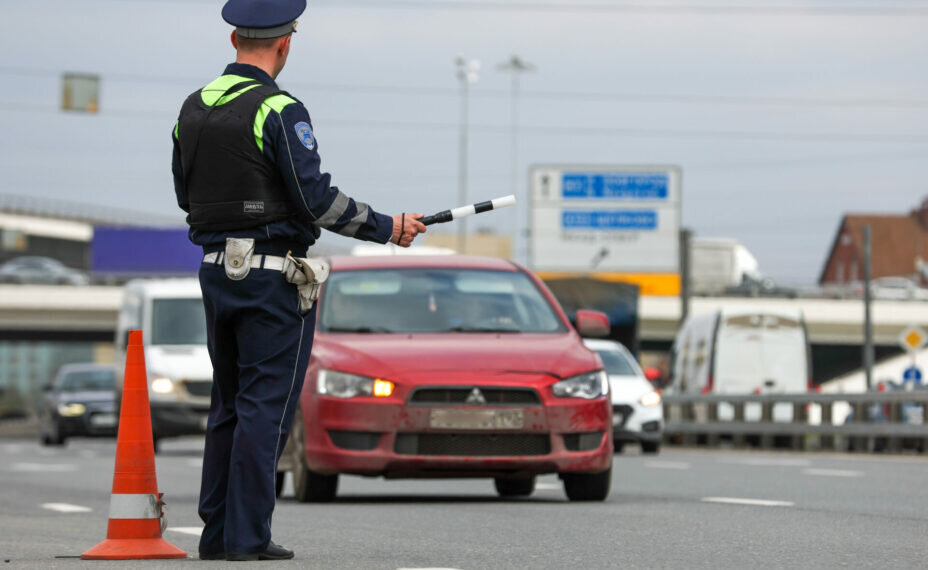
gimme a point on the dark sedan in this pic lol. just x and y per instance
(80, 402)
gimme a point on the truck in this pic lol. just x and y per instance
(719, 263)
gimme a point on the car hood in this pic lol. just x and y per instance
(628, 389)
(407, 355)
(189, 362)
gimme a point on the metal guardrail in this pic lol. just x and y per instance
(801, 421)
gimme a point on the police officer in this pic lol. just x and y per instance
(247, 171)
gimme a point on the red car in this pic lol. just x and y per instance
(449, 366)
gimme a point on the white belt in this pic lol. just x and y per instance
(274, 262)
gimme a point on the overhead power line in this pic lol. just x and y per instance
(372, 89)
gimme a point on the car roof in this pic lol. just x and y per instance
(349, 263)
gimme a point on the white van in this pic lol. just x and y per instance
(170, 314)
(742, 352)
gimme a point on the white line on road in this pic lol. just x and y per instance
(194, 530)
(751, 502)
(548, 487)
(66, 508)
(43, 467)
(667, 464)
(769, 462)
(833, 472)
(195, 462)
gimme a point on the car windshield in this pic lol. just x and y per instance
(617, 363)
(178, 321)
(435, 301)
(88, 381)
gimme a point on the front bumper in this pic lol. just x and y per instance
(632, 422)
(172, 419)
(367, 436)
(100, 422)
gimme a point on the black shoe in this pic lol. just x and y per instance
(212, 556)
(272, 552)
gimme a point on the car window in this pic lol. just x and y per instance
(617, 363)
(435, 301)
(178, 321)
(88, 381)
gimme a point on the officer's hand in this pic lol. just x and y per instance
(403, 236)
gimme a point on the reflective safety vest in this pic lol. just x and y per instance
(230, 183)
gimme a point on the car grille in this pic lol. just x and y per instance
(460, 394)
(198, 387)
(458, 444)
(620, 415)
(354, 440)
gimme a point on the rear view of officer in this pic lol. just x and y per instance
(247, 171)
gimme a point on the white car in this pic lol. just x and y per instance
(637, 413)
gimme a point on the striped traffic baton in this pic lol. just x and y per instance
(464, 211)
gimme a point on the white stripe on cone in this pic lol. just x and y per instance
(142, 506)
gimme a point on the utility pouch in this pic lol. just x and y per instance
(308, 274)
(238, 257)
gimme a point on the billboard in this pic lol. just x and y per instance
(618, 222)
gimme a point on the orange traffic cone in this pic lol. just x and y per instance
(134, 529)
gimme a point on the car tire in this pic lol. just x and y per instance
(650, 447)
(279, 483)
(618, 446)
(156, 444)
(522, 487)
(587, 486)
(309, 486)
(53, 437)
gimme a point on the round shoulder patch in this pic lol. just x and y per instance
(305, 134)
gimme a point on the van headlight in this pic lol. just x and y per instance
(71, 410)
(588, 386)
(650, 399)
(162, 386)
(345, 385)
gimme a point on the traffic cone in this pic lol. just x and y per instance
(134, 530)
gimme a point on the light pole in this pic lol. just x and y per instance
(516, 66)
(468, 70)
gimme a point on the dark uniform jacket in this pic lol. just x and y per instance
(287, 141)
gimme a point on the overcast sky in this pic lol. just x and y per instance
(782, 119)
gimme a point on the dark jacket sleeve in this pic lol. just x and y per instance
(178, 171)
(291, 144)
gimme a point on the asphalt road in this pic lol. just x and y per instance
(680, 509)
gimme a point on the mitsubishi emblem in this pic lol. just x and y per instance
(475, 397)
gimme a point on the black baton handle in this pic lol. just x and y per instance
(439, 218)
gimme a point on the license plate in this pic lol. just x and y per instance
(476, 419)
(103, 420)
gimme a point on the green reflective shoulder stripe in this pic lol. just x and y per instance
(177, 130)
(212, 94)
(274, 103)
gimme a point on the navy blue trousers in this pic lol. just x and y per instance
(259, 344)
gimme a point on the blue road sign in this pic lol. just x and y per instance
(609, 219)
(616, 186)
(912, 374)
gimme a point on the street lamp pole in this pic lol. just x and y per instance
(467, 71)
(516, 66)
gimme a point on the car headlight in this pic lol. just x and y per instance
(71, 410)
(588, 386)
(345, 385)
(650, 399)
(162, 386)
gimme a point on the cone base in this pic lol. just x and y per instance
(133, 549)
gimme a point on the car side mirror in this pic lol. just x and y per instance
(593, 323)
(652, 374)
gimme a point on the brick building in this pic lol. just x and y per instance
(899, 246)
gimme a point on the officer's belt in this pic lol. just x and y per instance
(274, 262)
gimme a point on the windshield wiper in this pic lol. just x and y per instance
(364, 330)
(461, 328)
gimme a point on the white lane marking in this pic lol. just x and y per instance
(769, 462)
(43, 467)
(751, 502)
(667, 464)
(66, 508)
(195, 462)
(193, 530)
(547, 487)
(833, 472)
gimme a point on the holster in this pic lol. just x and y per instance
(308, 274)
(238, 255)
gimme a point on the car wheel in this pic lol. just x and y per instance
(309, 486)
(618, 446)
(279, 483)
(53, 437)
(156, 444)
(522, 487)
(587, 486)
(650, 447)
